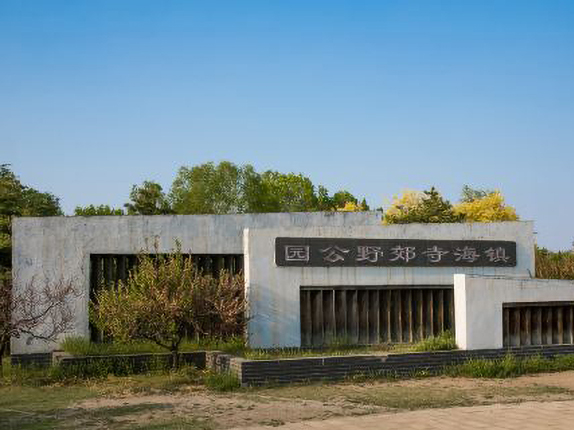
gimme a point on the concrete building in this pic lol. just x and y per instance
(311, 278)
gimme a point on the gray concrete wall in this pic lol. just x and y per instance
(479, 300)
(273, 292)
(58, 248)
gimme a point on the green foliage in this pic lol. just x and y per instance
(426, 207)
(148, 199)
(289, 192)
(510, 366)
(17, 199)
(208, 189)
(554, 265)
(101, 210)
(165, 298)
(443, 342)
(222, 382)
(228, 188)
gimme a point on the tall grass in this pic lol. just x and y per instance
(79, 346)
(224, 381)
(443, 342)
(554, 265)
(511, 366)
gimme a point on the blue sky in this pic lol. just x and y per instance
(369, 96)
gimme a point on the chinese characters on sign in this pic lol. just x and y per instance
(324, 252)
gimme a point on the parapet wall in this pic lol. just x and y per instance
(51, 249)
(479, 302)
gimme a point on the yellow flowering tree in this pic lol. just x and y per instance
(416, 207)
(489, 208)
(354, 207)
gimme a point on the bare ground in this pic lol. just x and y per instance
(197, 408)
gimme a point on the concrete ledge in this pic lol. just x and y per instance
(285, 371)
(479, 300)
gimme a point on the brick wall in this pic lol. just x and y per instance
(196, 358)
(25, 360)
(258, 372)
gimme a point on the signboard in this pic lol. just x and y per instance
(327, 252)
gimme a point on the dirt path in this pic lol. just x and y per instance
(294, 404)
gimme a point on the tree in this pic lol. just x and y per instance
(165, 297)
(425, 207)
(148, 199)
(341, 198)
(39, 311)
(354, 207)
(101, 210)
(486, 207)
(208, 189)
(17, 199)
(289, 192)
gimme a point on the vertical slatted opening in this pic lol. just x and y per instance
(106, 270)
(527, 324)
(374, 315)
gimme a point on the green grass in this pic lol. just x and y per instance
(221, 381)
(443, 342)
(511, 366)
(80, 346)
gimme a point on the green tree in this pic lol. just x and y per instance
(148, 199)
(229, 188)
(426, 207)
(100, 210)
(341, 198)
(208, 189)
(17, 199)
(289, 192)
